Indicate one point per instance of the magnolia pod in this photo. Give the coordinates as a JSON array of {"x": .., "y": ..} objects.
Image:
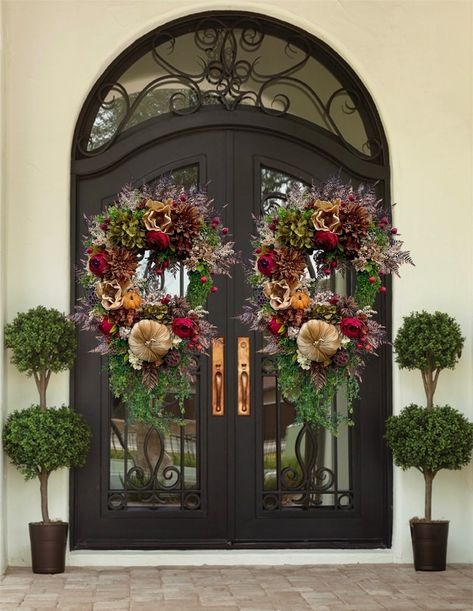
[
  {"x": 149, "y": 340},
  {"x": 318, "y": 340},
  {"x": 279, "y": 294}
]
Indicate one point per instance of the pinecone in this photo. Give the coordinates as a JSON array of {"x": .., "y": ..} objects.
[
  {"x": 179, "y": 307},
  {"x": 291, "y": 317},
  {"x": 122, "y": 264},
  {"x": 296, "y": 230},
  {"x": 172, "y": 358},
  {"x": 125, "y": 229},
  {"x": 290, "y": 263},
  {"x": 340, "y": 358},
  {"x": 123, "y": 317},
  {"x": 186, "y": 224},
  {"x": 354, "y": 220}
]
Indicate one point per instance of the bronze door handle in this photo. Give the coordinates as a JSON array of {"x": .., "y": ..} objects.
[
  {"x": 218, "y": 377},
  {"x": 244, "y": 376}
]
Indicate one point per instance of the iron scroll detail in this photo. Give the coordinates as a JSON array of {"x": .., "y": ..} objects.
[{"x": 229, "y": 72}]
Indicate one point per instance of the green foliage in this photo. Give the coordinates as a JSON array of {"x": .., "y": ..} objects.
[
  {"x": 42, "y": 340},
  {"x": 144, "y": 404},
  {"x": 366, "y": 291},
  {"x": 198, "y": 291},
  {"x": 45, "y": 440},
  {"x": 126, "y": 229},
  {"x": 428, "y": 341},
  {"x": 313, "y": 404},
  {"x": 295, "y": 228},
  {"x": 430, "y": 439}
]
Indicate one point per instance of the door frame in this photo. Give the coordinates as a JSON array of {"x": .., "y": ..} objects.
[{"x": 301, "y": 132}]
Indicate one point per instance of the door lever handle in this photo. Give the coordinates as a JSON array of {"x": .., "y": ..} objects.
[
  {"x": 218, "y": 377},
  {"x": 243, "y": 354}
]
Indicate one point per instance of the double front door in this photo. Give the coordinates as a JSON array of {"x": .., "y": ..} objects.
[{"x": 241, "y": 472}]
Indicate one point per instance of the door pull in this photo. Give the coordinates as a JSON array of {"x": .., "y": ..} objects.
[
  {"x": 243, "y": 354},
  {"x": 218, "y": 377}
]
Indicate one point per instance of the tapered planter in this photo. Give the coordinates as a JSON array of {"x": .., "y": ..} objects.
[
  {"x": 48, "y": 546},
  {"x": 429, "y": 544}
]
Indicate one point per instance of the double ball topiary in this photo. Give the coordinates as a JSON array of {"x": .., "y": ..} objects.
[{"x": 430, "y": 440}]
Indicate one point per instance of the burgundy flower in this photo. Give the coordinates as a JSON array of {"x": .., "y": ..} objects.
[
  {"x": 326, "y": 240},
  {"x": 183, "y": 327},
  {"x": 352, "y": 327},
  {"x": 98, "y": 264},
  {"x": 274, "y": 326},
  {"x": 157, "y": 239},
  {"x": 106, "y": 326},
  {"x": 266, "y": 264}
]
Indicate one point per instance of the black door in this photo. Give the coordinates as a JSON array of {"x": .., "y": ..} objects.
[{"x": 252, "y": 477}]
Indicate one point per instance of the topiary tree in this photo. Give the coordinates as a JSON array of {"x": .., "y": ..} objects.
[
  {"x": 430, "y": 440},
  {"x": 43, "y": 341},
  {"x": 430, "y": 343},
  {"x": 40, "y": 440}
]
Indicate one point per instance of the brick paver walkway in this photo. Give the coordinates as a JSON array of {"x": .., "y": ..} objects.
[{"x": 288, "y": 588}]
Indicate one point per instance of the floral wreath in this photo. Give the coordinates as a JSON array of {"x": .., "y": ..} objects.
[
  {"x": 321, "y": 339},
  {"x": 152, "y": 338}
]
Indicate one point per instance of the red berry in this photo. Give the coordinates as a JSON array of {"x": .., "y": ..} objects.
[
  {"x": 359, "y": 345},
  {"x": 372, "y": 279},
  {"x": 166, "y": 264},
  {"x": 327, "y": 271},
  {"x": 214, "y": 289},
  {"x": 382, "y": 289},
  {"x": 351, "y": 197},
  {"x": 225, "y": 230},
  {"x": 272, "y": 226},
  {"x": 159, "y": 270},
  {"x": 203, "y": 279},
  {"x": 368, "y": 347},
  {"x": 334, "y": 264},
  {"x": 394, "y": 230},
  {"x": 90, "y": 250},
  {"x": 199, "y": 346},
  {"x": 216, "y": 221},
  {"x": 258, "y": 250},
  {"x": 182, "y": 197}
]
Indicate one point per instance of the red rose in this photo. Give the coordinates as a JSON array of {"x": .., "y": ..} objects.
[
  {"x": 106, "y": 326},
  {"x": 183, "y": 327},
  {"x": 158, "y": 239},
  {"x": 98, "y": 264},
  {"x": 274, "y": 326},
  {"x": 266, "y": 264},
  {"x": 352, "y": 327},
  {"x": 326, "y": 240}
]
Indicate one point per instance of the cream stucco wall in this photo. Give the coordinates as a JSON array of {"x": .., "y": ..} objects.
[{"x": 416, "y": 59}]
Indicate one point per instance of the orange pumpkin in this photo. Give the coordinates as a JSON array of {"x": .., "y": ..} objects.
[
  {"x": 131, "y": 300},
  {"x": 300, "y": 300}
]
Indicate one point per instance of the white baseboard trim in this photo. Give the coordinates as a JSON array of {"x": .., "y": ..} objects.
[{"x": 275, "y": 557}]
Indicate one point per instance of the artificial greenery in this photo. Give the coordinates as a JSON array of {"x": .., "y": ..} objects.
[
  {"x": 430, "y": 343},
  {"x": 430, "y": 440},
  {"x": 198, "y": 291},
  {"x": 42, "y": 341},
  {"x": 40, "y": 440}
]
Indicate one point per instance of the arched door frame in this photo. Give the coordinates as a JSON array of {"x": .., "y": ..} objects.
[{"x": 160, "y": 129}]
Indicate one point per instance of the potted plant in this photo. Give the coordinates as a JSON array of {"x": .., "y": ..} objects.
[
  {"x": 429, "y": 438},
  {"x": 41, "y": 439}
]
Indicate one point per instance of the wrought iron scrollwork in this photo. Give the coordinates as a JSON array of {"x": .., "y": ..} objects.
[{"x": 229, "y": 57}]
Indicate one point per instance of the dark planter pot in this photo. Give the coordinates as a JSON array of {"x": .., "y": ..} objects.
[
  {"x": 429, "y": 544},
  {"x": 48, "y": 546}
]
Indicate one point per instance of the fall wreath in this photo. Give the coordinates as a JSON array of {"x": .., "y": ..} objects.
[
  {"x": 320, "y": 339},
  {"x": 152, "y": 338}
]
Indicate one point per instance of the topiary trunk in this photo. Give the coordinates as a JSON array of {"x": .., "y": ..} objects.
[
  {"x": 43, "y": 487},
  {"x": 428, "y": 478}
]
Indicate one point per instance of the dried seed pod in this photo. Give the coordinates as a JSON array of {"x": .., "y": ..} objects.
[
  {"x": 318, "y": 340},
  {"x": 149, "y": 340}
]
